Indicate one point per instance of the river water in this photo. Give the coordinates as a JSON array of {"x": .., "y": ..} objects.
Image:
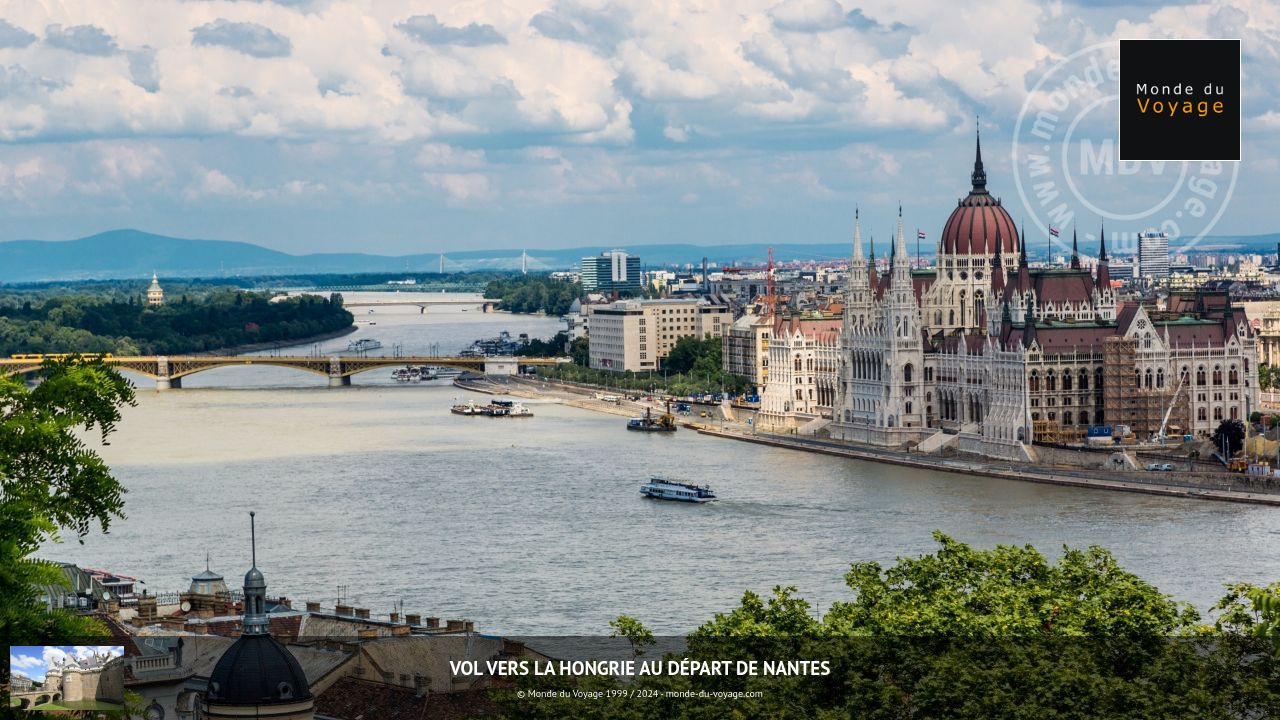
[{"x": 535, "y": 526}]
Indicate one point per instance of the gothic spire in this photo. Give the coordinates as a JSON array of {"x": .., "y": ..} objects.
[
  {"x": 1075, "y": 249},
  {"x": 1102, "y": 243},
  {"x": 997, "y": 266},
  {"x": 857, "y": 237},
  {"x": 979, "y": 175}
]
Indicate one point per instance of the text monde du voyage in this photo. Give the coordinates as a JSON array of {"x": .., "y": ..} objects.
[
  {"x": 1180, "y": 99},
  {"x": 632, "y": 668}
]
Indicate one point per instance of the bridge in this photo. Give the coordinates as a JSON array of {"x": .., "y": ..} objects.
[
  {"x": 168, "y": 371},
  {"x": 424, "y": 303},
  {"x": 27, "y": 699}
]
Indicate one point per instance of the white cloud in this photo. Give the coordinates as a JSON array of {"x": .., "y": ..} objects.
[
  {"x": 461, "y": 188},
  {"x": 24, "y": 662}
]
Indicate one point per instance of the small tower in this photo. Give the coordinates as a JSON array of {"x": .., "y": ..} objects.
[
  {"x": 155, "y": 293},
  {"x": 257, "y": 677}
]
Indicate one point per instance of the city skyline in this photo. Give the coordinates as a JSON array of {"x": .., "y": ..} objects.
[{"x": 326, "y": 125}]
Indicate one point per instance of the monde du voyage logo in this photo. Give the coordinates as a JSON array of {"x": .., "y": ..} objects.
[{"x": 1180, "y": 100}]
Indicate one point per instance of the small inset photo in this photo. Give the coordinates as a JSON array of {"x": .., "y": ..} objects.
[{"x": 75, "y": 680}]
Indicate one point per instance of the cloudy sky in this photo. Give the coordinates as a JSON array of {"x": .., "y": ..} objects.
[
  {"x": 34, "y": 661},
  {"x": 397, "y": 126}
]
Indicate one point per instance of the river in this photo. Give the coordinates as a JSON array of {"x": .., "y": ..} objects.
[{"x": 535, "y": 526}]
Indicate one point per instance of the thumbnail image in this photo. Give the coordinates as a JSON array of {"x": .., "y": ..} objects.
[{"x": 67, "y": 678}]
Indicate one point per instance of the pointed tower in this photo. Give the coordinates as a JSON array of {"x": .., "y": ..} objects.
[
  {"x": 995, "y": 303},
  {"x": 1075, "y": 249},
  {"x": 860, "y": 297},
  {"x": 257, "y": 676},
  {"x": 1104, "y": 295},
  {"x": 979, "y": 176}
]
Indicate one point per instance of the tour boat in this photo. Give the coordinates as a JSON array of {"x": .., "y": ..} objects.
[
  {"x": 507, "y": 408},
  {"x": 363, "y": 345},
  {"x": 663, "y": 489}
]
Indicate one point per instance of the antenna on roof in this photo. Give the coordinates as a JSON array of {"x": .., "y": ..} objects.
[{"x": 253, "y": 539}]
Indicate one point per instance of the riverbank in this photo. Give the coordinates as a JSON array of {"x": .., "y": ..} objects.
[{"x": 1204, "y": 488}]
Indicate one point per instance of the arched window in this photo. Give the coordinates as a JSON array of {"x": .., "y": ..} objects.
[
  {"x": 1217, "y": 374},
  {"x": 1232, "y": 376},
  {"x": 1201, "y": 415},
  {"x": 1149, "y": 375},
  {"x": 1160, "y": 378},
  {"x": 1084, "y": 379},
  {"x": 799, "y": 364},
  {"x": 907, "y": 372},
  {"x": 1200, "y": 375},
  {"x": 951, "y": 317},
  {"x": 937, "y": 317},
  {"x": 1066, "y": 418},
  {"x": 1035, "y": 381},
  {"x": 1066, "y": 380},
  {"x": 1217, "y": 413},
  {"x": 1050, "y": 382}
]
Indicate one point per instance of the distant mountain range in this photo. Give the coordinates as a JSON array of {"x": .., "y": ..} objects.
[{"x": 123, "y": 254}]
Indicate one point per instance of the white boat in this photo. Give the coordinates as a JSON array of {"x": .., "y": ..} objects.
[
  {"x": 363, "y": 345},
  {"x": 663, "y": 489}
]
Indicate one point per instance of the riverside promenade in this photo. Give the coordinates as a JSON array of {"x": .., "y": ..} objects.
[{"x": 1050, "y": 475}]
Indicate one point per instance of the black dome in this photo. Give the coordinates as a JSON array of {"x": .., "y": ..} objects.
[{"x": 257, "y": 670}]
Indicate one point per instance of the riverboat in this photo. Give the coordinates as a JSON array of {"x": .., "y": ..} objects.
[
  {"x": 663, "y": 489},
  {"x": 363, "y": 345},
  {"x": 467, "y": 408}
]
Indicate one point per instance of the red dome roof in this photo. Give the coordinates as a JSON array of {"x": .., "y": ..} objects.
[
  {"x": 982, "y": 218},
  {"x": 978, "y": 220}
]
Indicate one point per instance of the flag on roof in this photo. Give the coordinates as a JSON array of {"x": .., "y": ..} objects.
[{"x": 1053, "y": 231}]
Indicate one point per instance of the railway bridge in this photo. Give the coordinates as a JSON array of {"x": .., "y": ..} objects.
[{"x": 168, "y": 371}]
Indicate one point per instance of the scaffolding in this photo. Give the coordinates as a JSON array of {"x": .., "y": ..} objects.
[{"x": 1128, "y": 402}]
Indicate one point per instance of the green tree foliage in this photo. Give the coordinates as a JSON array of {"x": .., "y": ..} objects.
[
  {"x": 692, "y": 367},
  {"x": 206, "y": 321},
  {"x": 554, "y": 347},
  {"x": 1230, "y": 433},
  {"x": 969, "y": 634},
  {"x": 51, "y": 482},
  {"x": 634, "y": 631},
  {"x": 580, "y": 351},
  {"x": 1266, "y": 377},
  {"x": 533, "y": 293}
]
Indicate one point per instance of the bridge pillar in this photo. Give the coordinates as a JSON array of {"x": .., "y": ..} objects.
[
  {"x": 501, "y": 366},
  {"x": 163, "y": 380},
  {"x": 336, "y": 378}
]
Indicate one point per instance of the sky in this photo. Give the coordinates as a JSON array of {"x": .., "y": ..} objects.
[
  {"x": 399, "y": 127},
  {"x": 35, "y": 660}
]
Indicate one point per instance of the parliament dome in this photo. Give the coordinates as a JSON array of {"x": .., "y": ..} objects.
[{"x": 979, "y": 220}]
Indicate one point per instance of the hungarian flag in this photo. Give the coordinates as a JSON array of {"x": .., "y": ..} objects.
[
  {"x": 1053, "y": 231},
  {"x": 920, "y": 235}
]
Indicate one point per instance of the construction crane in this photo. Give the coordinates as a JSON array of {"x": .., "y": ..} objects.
[{"x": 1160, "y": 436}]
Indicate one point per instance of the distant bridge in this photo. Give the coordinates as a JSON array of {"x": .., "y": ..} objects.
[
  {"x": 168, "y": 371},
  {"x": 423, "y": 303}
]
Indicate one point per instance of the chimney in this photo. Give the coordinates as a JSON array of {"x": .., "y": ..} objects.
[
  {"x": 413, "y": 619},
  {"x": 433, "y": 622},
  {"x": 395, "y": 617},
  {"x": 313, "y": 607},
  {"x": 454, "y": 625},
  {"x": 468, "y": 625},
  {"x": 343, "y": 610},
  {"x": 362, "y": 613}
]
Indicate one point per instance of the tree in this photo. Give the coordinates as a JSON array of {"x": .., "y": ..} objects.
[
  {"x": 580, "y": 351},
  {"x": 969, "y": 633},
  {"x": 1230, "y": 433},
  {"x": 633, "y": 630},
  {"x": 51, "y": 482}
]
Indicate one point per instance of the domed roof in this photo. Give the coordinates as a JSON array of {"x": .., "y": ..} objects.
[
  {"x": 978, "y": 220},
  {"x": 257, "y": 670},
  {"x": 254, "y": 578}
]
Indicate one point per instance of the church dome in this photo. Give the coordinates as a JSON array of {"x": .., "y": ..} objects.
[
  {"x": 978, "y": 220},
  {"x": 257, "y": 670}
]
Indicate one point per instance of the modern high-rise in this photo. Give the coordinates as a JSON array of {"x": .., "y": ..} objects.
[
  {"x": 1153, "y": 254},
  {"x": 612, "y": 272}
]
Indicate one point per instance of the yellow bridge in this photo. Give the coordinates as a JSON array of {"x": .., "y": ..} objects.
[{"x": 168, "y": 371}]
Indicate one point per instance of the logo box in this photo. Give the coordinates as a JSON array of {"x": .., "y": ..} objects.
[{"x": 1180, "y": 100}]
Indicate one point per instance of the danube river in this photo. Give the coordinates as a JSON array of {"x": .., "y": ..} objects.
[{"x": 535, "y": 526}]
